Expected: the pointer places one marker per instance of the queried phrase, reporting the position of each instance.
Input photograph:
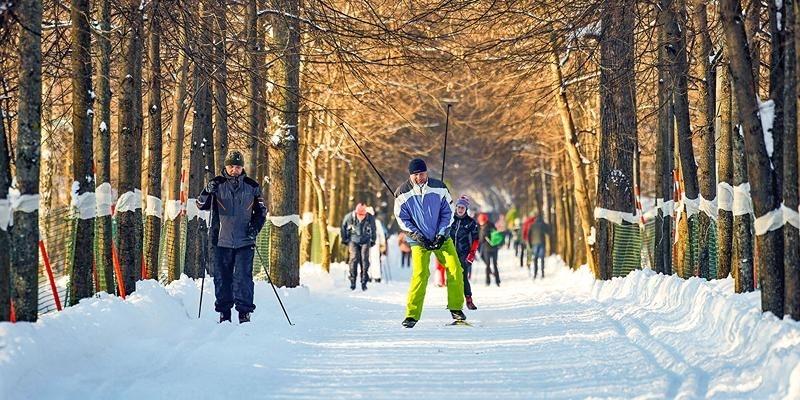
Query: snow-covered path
(644, 336)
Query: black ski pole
(264, 266)
(444, 149)
(368, 160)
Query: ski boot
(225, 316)
(244, 317)
(363, 286)
(409, 322)
(470, 304)
(458, 315)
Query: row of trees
(536, 89)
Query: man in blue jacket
(423, 210)
(237, 215)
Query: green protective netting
(627, 251)
(261, 258)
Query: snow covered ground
(644, 336)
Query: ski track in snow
(567, 336)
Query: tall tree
(103, 151)
(5, 207)
(254, 32)
(769, 235)
(152, 234)
(725, 168)
(81, 281)
(664, 143)
(618, 134)
(25, 232)
(283, 157)
(129, 206)
(221, 85)
(791, 234)
(706, 114)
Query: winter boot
(352, 285)
(363, 286)
(378, 280)
(244, 317)
(409, 322)
(225, 316)
(458, 315)
(470, 304)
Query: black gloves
(437, 242)
(418, 238)
(252, 232)
(212, 186)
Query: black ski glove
(212, 186)
(252, 232)
(419, 238)
(438, 242)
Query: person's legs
(496, 271)
(420, 273)
(540, 257)
(243, 285)
(466, 267)
(486, 257)
(223, 279)
(364, 264)
(455, 283)
(355, 261)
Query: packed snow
(567, 336)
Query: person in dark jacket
(464, 233)
(237, 215)
(537, 237)
(488, 248)
(359, 234)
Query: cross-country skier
(237, 215)
(491, 239)
(537, 237)
(358, 234)
(422, 209)
(465, 235)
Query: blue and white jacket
(426, 210)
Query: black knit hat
(416, 166)
(235, 158)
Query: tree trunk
(25, 232)
(676, 34)
(81, 279)
(664, 147)
(283, 158)
(791, 235)
(5, 238)
(129, 219)
(769, 238)
(743, 260)
(173, 216)
(618, 135)
(103, 224)
(580, 182)
(725, 168)
(152, 234)
(254, 33)
(201, 156)
(706, 114)
(322, 214)
(221, 86)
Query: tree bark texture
(725, 169)
(791, 235)
(664, 146)
(103, 225)
(152, 234)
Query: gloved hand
(438, 242)
(212, 186)
(252, 232)
(470, 257)
(371, 244)
(417, 237)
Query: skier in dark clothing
(490, 241)
(359, 234)
(537, 236)
(237, 215)
(464, 233)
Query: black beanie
(416, 166)
(234, 158)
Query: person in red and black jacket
(464, 232)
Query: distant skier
(237, 215)
(358, 234)
(537, 237)
(490, 241)
(405, 250)
(378, 251)
(465, 235)
(422, 209)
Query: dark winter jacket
(484, 234)
(423, 211)
(237, 211)
(537, 232)
(359, 232)
(464, 232)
